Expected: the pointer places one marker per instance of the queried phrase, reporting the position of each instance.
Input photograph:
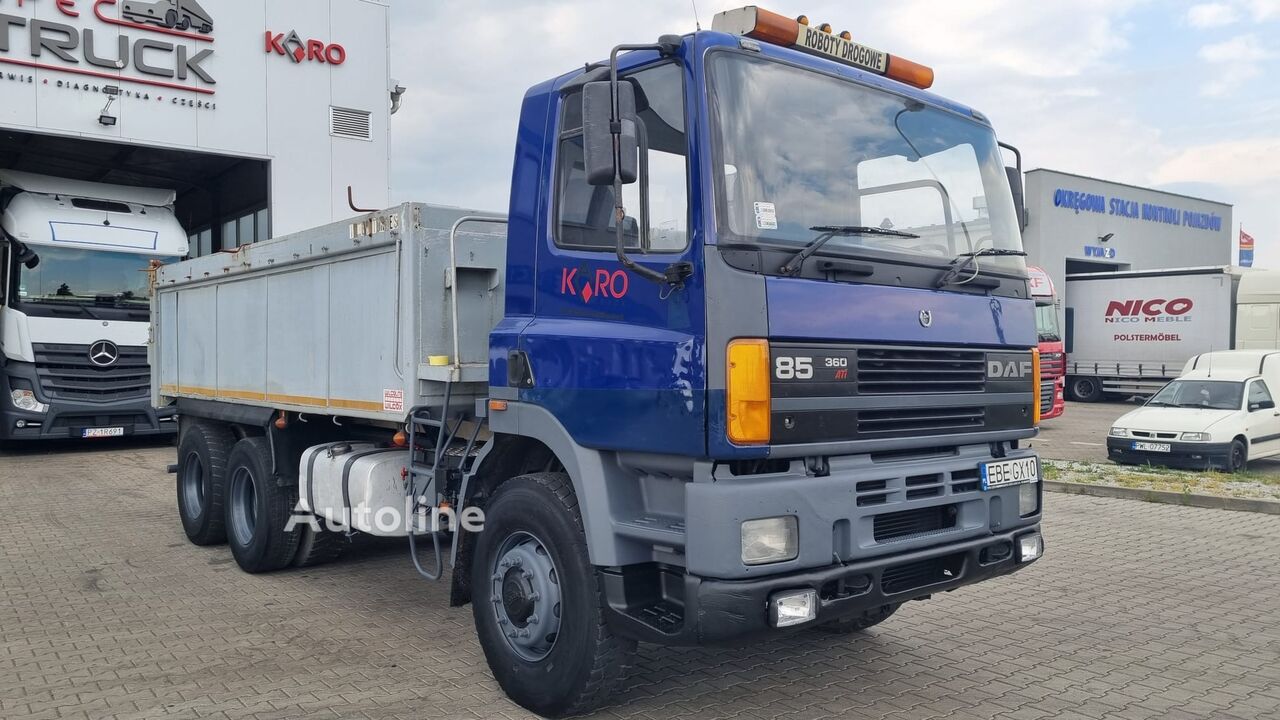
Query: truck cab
(75, 305)
(1053, 363)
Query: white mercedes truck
(74, 306)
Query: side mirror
(597, 133)
(26, 256)
(1015, 186)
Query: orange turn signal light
(747, 391)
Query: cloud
(1236, 62)
(1214, 14)
(1263, 10)
(1233, 163)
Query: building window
(246, 229)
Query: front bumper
(718, 611)
(1190, 455)
(68, 419)
(872, 530)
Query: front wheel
(538, 603)
(1239, 456)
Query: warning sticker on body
(766, 216)
(392, 400)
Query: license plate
(1009, 472)
(102, 432)
(1152, 447)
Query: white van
(1219, 413)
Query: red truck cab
(1053, 362)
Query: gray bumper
(68, 419)
(862, 510)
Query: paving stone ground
(1137, 611)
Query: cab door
(617, 358)
(1263, 420)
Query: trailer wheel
(538, 604)
(858, 623)
(1086, 389)
(258, 510)
(201, 481)
(317, 547)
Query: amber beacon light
(798, 34)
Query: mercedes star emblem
(926, 318)
(103, 353)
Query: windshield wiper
(963, 260)
(792, 267)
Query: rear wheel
(858, 623)
(316, 547)
(201, 481)
(538, 604)
(1086, 389)
(258, 510)
(184, 23)
(171, 19)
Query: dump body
(351, 318)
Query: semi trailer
(74, 306)
(1053, 359)
(702, 383)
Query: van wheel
(858, 623)
(1239, 456)
(201, 481)
(258, 510)
(1086, 389)
(538, 604)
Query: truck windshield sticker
(766, 216)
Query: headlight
(26, 400)
(1119, 432)
(770, 540)
(1196, 437)
(1028, 498)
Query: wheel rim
(526, 596)
(193, 485)
(244, 506)
(1084, 388)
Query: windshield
(85, 277)
(1047, 323)
(799, 149)
(1214, 394)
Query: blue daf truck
(752, 352)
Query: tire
(205, 29)
(1086, 389)
(858, 623)
(533, 525)
(1239, 456)
(258, 510)
(184, 23)
(171, 19)
(201, 481)
(317, 547)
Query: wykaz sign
(62, 47)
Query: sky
(1179, 96)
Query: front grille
(1156, 435)
(916, 371)
(920, 420)
(66, 373)
(922, 573)
(913, 523)
(1053, 365)
(1046, 396)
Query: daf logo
(104, 353)
(926, 318)
(998, 369)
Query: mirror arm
(675, 273)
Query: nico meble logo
(103, 353)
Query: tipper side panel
(341, 319)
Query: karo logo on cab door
(298, 50)
(1156, 310)
(605, 283)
